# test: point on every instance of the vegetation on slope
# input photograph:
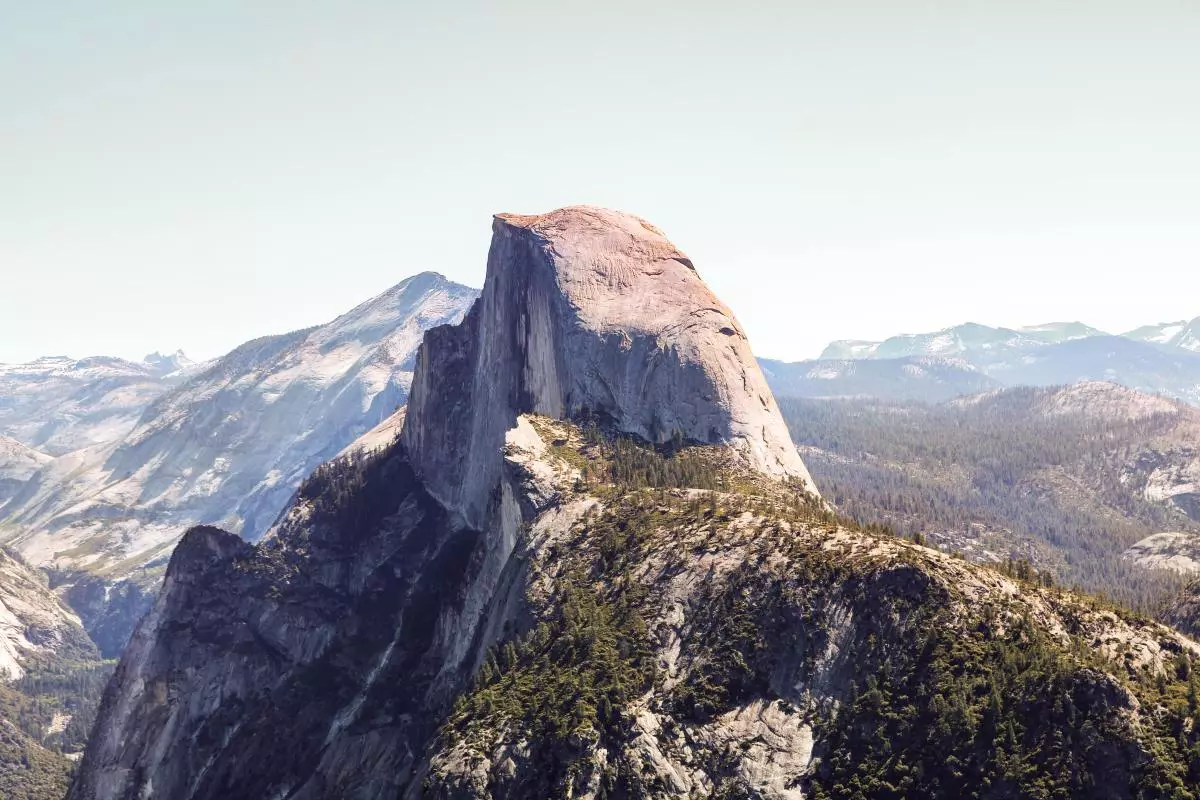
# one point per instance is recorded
(934, 694)
(45, 716)
(1051, 488)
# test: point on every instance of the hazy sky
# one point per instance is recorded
(193, 175)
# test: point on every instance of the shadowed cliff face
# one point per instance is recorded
(587, 311)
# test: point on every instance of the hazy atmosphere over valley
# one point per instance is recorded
(789, 401)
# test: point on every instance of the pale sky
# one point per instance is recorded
(193, 175)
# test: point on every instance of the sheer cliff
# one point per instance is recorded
(592, 564)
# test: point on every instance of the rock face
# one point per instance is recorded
(1171, 550)
(18, 464)
(33, 621)
(588, 311)
(584, 312)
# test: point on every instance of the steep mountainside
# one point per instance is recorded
(60, 404)
(51, 678)
(614, 580)
(229, 446)
(924, 378)
(1068, 478)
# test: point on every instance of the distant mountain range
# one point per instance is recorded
(975, 339)
(59, 404)
(966, 359)
(926, 378)
(106, 462)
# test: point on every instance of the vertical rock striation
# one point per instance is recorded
(587, 311)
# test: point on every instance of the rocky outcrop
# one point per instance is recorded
(1171, 550)
(34, 623)
(587, 311)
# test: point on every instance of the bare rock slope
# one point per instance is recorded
(587, 311)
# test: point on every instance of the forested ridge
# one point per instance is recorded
(1000, 477)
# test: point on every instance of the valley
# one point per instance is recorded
(1067, 479)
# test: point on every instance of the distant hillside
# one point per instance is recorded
(1184, 335)
(1141, 366)
(1068, 478)
(51, 680)
(918, 378)
(962, 340)
(58, 404)
(1161, 359)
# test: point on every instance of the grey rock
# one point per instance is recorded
(320, 662)
(587, 311)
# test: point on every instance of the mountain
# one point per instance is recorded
(1158, 359)
(969, 338)
(925, 378)
(18, 464)
(1183, 335)
(169, 364)
(228, 445)
(58, 404)
(593, 565)
(1068, 478)
(846, 349)
(51, 679)
(1056, 332)
(1140, 366)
